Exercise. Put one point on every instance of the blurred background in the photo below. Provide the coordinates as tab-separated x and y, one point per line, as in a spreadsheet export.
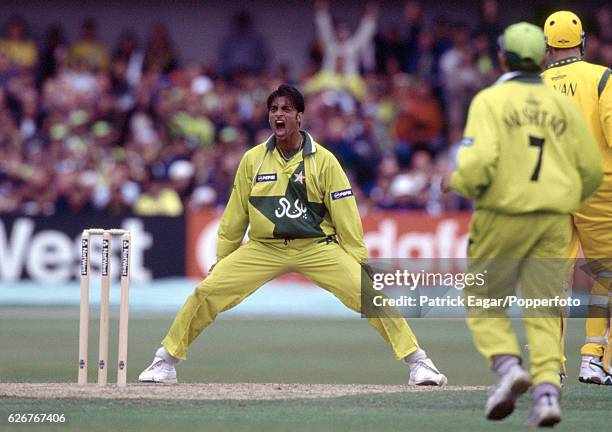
135	115
121	107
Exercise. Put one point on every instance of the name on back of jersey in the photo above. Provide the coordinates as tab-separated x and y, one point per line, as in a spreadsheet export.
532	115
567	89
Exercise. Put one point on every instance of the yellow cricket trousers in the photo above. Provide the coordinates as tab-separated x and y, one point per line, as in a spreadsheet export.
241	273
593	232
521	249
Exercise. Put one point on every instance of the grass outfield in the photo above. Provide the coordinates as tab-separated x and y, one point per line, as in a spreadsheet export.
586	409
40	345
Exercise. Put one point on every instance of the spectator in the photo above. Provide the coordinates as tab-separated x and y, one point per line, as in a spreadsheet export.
242	50
341	53
390	50
160	54
315	59
486	62
158	200
593	49
203	198
117	192
122	95
381	193
490	25
88	53
424	62
16	44
29	114
222	177
419	120
341	50
54	54
460	75
181	175
604	24
127	49
37	198
442	35
413	22
409	188
337	82
7	71
9	202
75	192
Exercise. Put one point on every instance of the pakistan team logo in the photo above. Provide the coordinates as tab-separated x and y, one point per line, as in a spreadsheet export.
285	210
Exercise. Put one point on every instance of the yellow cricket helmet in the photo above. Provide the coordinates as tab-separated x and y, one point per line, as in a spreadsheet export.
563	29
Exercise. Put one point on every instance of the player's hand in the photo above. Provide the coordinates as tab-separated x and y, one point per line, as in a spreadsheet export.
445	183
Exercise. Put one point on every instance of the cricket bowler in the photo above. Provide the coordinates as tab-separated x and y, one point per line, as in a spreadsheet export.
528	159
303	215
588	85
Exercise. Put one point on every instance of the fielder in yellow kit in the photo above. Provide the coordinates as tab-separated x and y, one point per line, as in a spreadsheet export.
303	217
528	159
590	87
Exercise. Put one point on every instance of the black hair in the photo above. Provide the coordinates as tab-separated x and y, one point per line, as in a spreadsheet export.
291	93
516	63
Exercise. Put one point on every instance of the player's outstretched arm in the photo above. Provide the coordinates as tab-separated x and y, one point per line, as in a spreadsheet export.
235	220
477	157
342	206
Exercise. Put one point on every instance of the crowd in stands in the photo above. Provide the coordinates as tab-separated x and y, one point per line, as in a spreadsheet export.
131	129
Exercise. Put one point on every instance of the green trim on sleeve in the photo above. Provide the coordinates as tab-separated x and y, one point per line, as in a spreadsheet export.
603	81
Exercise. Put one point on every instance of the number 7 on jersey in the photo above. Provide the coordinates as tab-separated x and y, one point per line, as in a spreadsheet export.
537	142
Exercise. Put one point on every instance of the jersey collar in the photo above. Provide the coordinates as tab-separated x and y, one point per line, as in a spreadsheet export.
525	77
563	62
309	144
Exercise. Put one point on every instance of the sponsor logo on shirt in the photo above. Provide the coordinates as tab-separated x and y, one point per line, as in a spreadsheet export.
265	178
342	194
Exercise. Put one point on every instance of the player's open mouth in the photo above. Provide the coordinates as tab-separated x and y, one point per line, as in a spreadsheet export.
279	125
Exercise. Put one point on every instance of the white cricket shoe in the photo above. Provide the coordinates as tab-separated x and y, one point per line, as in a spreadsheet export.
503	396
545	412
424	373
160	371
592	371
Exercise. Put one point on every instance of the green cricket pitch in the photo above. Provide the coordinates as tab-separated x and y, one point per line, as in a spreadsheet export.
349	380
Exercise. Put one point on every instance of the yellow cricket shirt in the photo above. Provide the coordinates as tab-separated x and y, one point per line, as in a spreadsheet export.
22	53
525	149
308	196
589	86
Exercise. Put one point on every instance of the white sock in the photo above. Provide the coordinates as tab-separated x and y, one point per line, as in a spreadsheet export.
419	354
165	355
